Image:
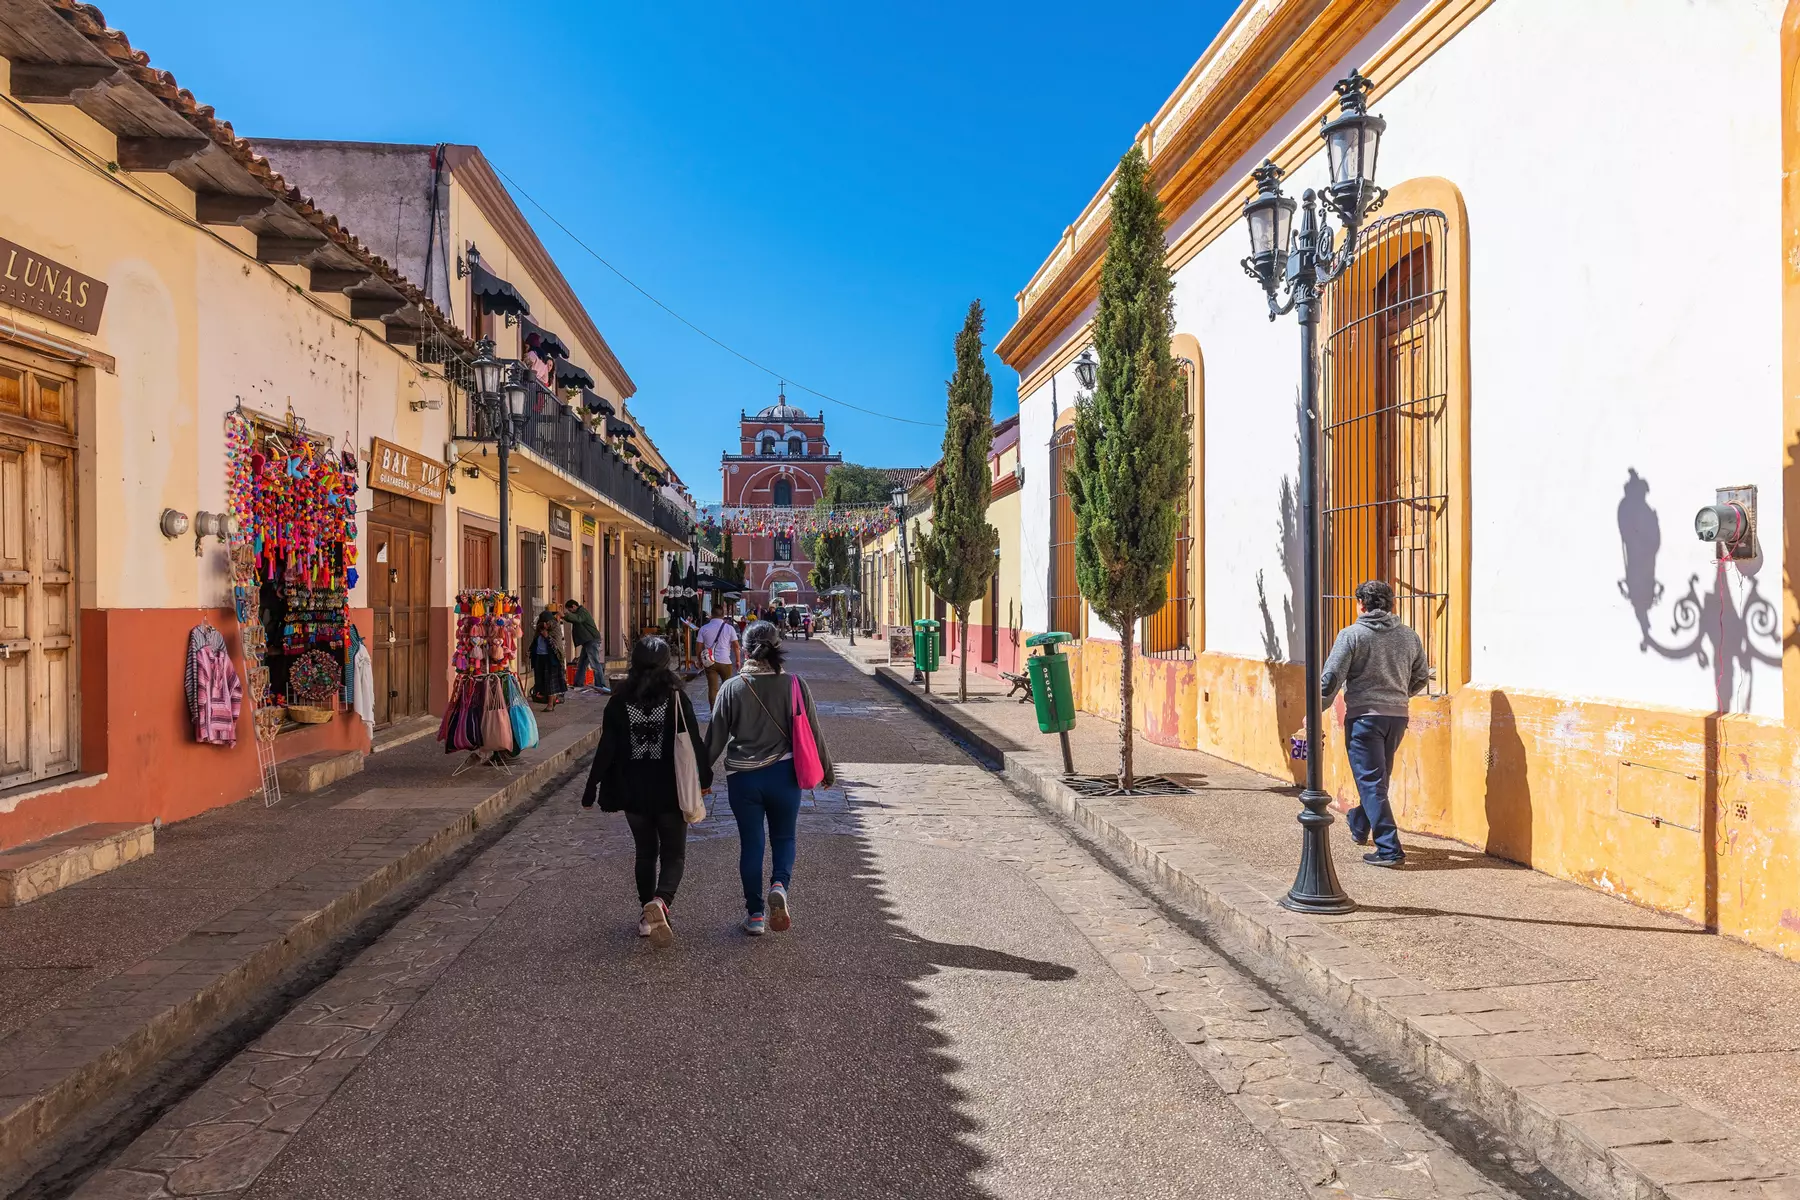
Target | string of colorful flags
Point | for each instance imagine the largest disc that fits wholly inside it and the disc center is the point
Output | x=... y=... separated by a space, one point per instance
x=860 y=520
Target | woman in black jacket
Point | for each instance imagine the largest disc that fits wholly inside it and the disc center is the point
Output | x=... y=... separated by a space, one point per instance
x=634 y=771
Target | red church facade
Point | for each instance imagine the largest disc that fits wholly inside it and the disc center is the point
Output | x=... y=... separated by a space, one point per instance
x=782 y=462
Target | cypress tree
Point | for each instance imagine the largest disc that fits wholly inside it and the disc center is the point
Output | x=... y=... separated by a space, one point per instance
x=1131 y=435
x=958 y=553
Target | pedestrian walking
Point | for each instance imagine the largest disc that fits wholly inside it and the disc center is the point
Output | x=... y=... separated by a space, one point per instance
x=719 y=654
x=584 y=631
x=758 y=718
x=1380 y=664
x=548 y=678
x=634 y=772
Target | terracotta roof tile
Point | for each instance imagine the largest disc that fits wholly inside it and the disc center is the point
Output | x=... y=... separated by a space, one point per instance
x=90 y=22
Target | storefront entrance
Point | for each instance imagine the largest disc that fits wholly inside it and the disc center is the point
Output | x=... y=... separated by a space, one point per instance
x=38 y=702
x=400 y=594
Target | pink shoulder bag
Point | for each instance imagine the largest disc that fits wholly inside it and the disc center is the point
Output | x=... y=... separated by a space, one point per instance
x=808 y=770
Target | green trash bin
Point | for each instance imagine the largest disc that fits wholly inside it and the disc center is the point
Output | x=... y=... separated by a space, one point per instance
x=1051 y=692
x=927 y=645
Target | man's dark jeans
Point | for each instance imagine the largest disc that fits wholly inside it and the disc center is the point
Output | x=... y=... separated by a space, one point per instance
x=1371 y=743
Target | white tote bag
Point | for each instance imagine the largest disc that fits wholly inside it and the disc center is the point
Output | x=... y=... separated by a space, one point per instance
x=687 y=771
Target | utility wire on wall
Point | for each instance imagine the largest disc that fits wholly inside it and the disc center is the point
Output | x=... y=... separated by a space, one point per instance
x=729 y=349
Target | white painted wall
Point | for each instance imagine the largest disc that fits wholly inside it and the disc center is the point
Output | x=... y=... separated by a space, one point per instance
x=1620 y=164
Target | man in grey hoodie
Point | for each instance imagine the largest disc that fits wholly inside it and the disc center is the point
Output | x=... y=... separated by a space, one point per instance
x=1380 y=664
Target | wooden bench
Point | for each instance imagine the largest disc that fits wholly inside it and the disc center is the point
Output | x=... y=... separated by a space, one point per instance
x=1020 y=683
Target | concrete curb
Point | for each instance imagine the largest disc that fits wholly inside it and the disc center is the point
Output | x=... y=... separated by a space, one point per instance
x=87 y=1071
x=1605 y=1133
x=985 y=751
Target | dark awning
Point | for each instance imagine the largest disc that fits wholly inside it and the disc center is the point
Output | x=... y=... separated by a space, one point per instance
x=619 y=429
x=494 y=294
x=570 y=375
x=540 y=340
x=656 y=476
x=630 y=450
x=594 y=403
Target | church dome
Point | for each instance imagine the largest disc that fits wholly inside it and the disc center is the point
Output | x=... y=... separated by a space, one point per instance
x=781 y=412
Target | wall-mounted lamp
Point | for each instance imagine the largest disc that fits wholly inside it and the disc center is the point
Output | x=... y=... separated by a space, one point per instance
x=173 y=524
x=1086 y=369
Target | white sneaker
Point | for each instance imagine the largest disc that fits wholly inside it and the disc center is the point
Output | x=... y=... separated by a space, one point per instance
x=780 y=913
x=655 y=924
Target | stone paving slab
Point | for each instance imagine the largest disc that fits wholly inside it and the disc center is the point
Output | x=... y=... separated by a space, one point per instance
x=196 y=969
x=1485 y=1044
x=1342 y=1136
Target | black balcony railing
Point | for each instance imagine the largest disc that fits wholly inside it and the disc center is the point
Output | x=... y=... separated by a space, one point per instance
x=557 y=435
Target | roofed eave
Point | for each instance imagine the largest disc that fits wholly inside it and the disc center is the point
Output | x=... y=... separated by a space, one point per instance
x=1261 y=64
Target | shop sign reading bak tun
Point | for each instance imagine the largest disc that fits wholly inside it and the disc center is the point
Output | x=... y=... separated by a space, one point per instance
x=393 y=469
x=41 y=285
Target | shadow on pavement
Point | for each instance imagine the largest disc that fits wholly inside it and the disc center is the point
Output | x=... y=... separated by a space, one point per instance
x=562 y=1056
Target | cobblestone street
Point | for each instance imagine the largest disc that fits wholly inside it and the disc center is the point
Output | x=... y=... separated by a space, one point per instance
x=969 y=1004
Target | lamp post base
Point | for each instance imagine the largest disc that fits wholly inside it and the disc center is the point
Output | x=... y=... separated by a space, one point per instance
x=1316 y=889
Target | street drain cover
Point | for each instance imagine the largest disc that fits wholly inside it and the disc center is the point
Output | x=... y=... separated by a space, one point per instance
x=1142 y=785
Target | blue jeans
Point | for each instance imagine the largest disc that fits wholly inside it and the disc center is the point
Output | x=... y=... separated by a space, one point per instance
x=1371 y=743
x=770 y=793
x=589 y=660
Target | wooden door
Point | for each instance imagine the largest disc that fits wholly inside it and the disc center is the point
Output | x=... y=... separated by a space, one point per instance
x=587 y=578
x=38 y=701
x=559 y=578
x=400 y=595
x=477 y=559
x=991 y=645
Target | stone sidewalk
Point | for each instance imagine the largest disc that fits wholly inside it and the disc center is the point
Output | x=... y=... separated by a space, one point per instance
x=1635 y=1053
x=102 y=981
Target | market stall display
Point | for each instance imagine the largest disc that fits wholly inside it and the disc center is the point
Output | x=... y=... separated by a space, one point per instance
x=293 y=559
x=487 y=717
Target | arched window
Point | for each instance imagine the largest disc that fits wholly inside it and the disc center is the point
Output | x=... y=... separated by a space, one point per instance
x=1387 y=391
x=1065 y=594
x=796 y=447
x=784 y=494
x=1169 y=632
x=767 y=444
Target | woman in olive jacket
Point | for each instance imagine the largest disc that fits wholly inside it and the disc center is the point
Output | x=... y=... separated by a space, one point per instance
x=634 y=772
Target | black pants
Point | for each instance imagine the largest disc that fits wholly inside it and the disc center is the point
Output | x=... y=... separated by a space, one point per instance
x=661 y=838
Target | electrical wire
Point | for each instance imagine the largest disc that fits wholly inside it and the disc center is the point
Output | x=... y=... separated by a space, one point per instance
x=729 y=349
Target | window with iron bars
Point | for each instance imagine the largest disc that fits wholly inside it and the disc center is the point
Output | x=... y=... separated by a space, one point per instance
x=1166 y=632
x=1065 y=593
x=1386 y=368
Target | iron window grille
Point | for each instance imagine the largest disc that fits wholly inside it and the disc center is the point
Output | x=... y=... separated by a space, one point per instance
x=1064 y=592
x=1386 y=461
x=1167 y=631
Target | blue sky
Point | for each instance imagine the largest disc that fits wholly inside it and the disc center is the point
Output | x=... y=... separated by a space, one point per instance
x=823 y=186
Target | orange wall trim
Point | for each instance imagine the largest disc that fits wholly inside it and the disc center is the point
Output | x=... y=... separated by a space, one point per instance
x=134 y=727
x=1687 y=812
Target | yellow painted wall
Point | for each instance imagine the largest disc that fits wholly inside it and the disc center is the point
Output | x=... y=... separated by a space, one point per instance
x=1683 y=811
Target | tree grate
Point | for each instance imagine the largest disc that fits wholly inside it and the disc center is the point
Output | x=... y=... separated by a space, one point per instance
x=1141 y=785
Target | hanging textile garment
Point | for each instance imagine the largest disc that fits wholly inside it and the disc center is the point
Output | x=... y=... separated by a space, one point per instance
x=216 y=698
x=363 y=668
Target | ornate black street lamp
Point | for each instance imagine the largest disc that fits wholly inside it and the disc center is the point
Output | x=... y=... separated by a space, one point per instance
x=899 y=498
x=501 y=392
x=1312 y=261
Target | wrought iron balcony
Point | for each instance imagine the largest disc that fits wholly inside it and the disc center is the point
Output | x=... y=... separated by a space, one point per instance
x=556 y=434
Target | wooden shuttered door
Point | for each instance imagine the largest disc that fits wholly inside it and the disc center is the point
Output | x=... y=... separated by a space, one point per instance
x=38 y=701
x=400 y=596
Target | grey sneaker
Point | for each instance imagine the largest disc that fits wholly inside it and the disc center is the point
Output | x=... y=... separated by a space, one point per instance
x=755 y=925
x=780 y=915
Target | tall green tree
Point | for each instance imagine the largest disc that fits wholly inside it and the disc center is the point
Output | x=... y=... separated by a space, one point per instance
x=1131 y=434
x=958 y=553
